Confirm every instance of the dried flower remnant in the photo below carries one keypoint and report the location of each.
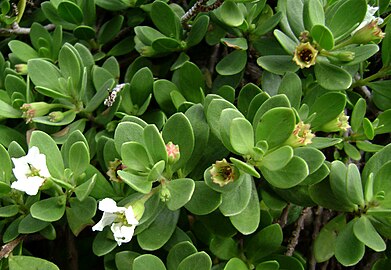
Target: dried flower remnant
(114, 167)
(305, 55)
(369, 33)
(30, 171)
(301, 135)
(123, 220)
(223, 173)
(109, 101)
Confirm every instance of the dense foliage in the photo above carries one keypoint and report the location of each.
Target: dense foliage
(231, 135)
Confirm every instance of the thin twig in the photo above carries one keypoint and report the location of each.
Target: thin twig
(284, 216)
(296, 233)
(16, 29)
(198, 7)
(73, 256)
(9, 247)
(315, 232)
(213, 58)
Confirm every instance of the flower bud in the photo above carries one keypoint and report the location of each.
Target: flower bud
(21, 69)
(165, 193)
(305, 55)
(369, 33)
(173, 152)
(223, 173)
(301, 135)
(340, 123)
(345, 56)
(56, 116)
(35, 109)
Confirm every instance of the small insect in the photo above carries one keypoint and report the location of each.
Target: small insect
(109, 101)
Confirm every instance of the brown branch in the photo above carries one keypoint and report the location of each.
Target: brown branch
(6, 249)
(296, 233)
(73, 256)
(284, 216)
(17, 30)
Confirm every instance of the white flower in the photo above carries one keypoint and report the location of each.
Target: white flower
(30, 171)
(369, 17)
(122, 220)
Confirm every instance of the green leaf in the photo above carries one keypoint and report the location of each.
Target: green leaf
(48, 147)
(234, 202)
(190, 81)
(110, 29)
(268, 265)
(367, 234)
(178, 253)
(324, 244)
(267, 25)
(323, 36)
(31, 225)
(264, 242)
(79, 158)
(278, 158)
(102, 244)
(70, 12)
(83, 191)
(313, 157)
(28, 262)
(224, 248)
(127, 132)
(135, 156)
(9, 210)
(235, 264)
(181, 191)
(124, 259)
(45, 74)
(354, 185)
(7, 111)
(141, 86)
(148, 261)
(230, 14)
(275, 126)
(289, 176)
(5, 165)
(197, 31)
(204, 200)
(358, 114)
(313, 13)
(69, 64)
(196, 261)
(248, 220)
(348, 249)
(245, 167)
(166, 20)
(386, 46)
(49, 210)
(178, 130)
(233, 63)
(154, 144)
(278, 64)
(291, 86)
(80, 213)
(160, 231)
(327, 107)
(341, 78)
(138, 183)
(22, 50)
(349, 14)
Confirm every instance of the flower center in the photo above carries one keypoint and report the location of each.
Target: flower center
(226, 172)
(33, 171)
(306, 55)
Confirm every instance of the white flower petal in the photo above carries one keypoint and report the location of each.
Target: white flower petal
(107, 219)
(122, 233)
(110, 206)
(130, 217)
(38, 161)
(30, 185)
